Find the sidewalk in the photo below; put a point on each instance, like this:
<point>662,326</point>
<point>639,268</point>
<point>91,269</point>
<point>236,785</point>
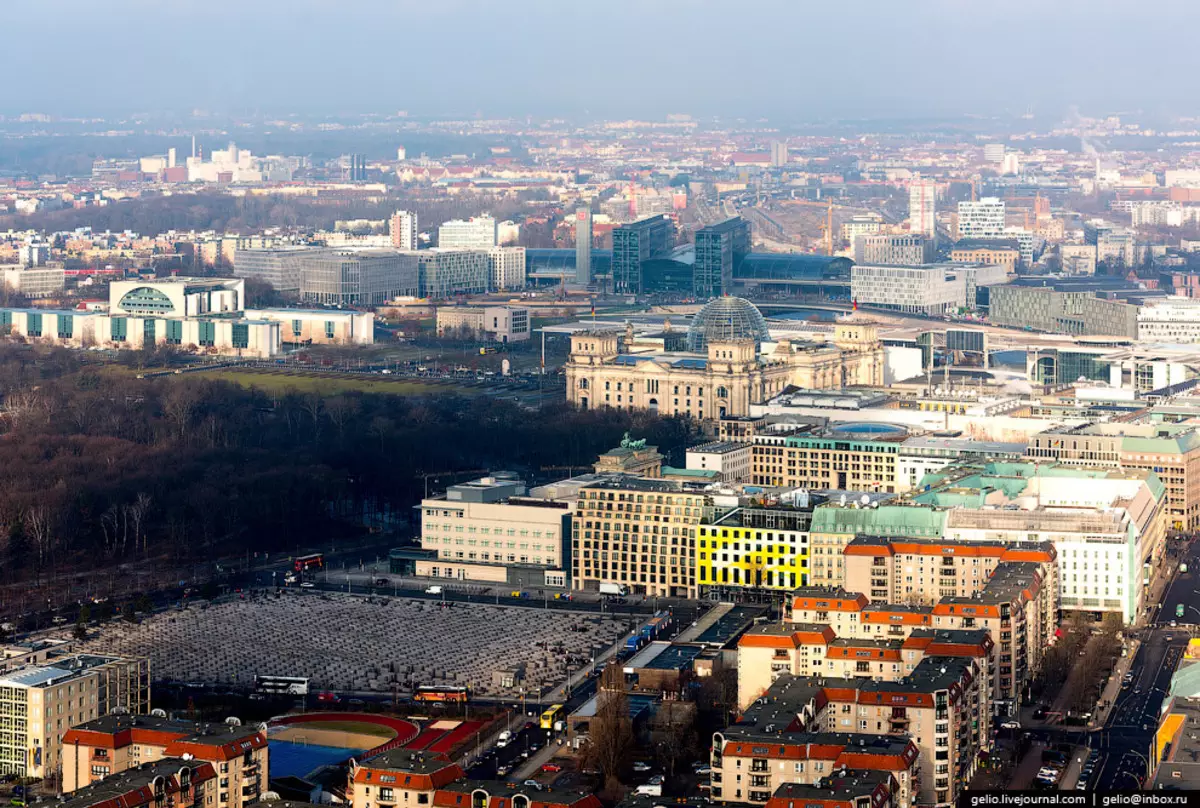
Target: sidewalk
<point>1112,688</point>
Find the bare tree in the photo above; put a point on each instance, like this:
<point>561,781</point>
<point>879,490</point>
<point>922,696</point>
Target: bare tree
<point>674,732</point>
<point>610,733</point>
<point>137,515</point>
<point>179,405</point>
<point>40,521</point>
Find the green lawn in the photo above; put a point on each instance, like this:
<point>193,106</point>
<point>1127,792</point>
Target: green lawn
<point>361,728</point>
<point>329,385</point>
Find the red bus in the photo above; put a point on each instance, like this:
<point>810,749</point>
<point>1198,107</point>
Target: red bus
<point>313,561</point>
<point>450,693</point>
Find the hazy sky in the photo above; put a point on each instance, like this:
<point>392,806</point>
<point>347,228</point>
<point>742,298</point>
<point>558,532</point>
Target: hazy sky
<point>785,59</point>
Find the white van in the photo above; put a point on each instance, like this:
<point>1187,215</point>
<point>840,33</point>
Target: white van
<point>433,590</point>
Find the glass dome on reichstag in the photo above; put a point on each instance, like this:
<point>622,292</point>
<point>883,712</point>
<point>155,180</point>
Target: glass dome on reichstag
<point>726,318</point>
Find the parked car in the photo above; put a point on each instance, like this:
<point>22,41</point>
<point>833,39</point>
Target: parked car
<point>534,784</point>
<point>640,766</point>
<point>551,767</point>
<point>1011,725</point>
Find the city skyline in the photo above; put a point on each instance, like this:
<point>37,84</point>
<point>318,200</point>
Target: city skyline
<point>782,61</point>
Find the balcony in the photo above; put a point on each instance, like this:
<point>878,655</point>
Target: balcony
<point>760,781</point>
<point>759,766</point>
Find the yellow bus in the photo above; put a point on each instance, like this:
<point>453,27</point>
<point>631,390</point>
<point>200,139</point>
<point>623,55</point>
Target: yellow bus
<point>551,715</point>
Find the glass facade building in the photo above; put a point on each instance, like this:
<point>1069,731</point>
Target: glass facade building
<point>636,243</point>
<point>719,249</point>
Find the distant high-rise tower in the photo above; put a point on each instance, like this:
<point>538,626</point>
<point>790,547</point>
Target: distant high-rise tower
<point>921,210</point>
<point>583,246</point>
<point>401,153</point>
<point>779,153</point>
<point>719,249</point>
<point>171,157</point>
<point>993,152</point>
<point>354,168</point>
<point>982,219</point>
<point>403,229</point>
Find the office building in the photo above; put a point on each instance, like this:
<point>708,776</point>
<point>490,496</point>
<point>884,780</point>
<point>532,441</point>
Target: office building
<point>754,547</point>
<point>779,153</point>
<point>35,282</point>
<point>636,243</point>
<point>489,530</point>
<point>402,227</point>
<point>171,782</point>
<point>349,277</point>
<point>400,777</point>
<point>981,219</point>
<point>931,289</point>
<point>1170,451</point>
<point>492,323</point>
<point>1172,319</point>
<point>583,246</point>
<point>900,250</point>
<point>506,269</point>
<point>993,152</point>
<point>278,266</point>
<point>476,233</point>
<point>638,532</point>
<point>39,703</point>
<point>110,745</point>
<point>354,167</point>
<point>719,248</point>
<point>991,253</point>
<point>1078,259</point>
<point>445,273</point>
<point>729,459</point>
<point>1063,310</point>
<point>922,210</point>
<point>319,326</point>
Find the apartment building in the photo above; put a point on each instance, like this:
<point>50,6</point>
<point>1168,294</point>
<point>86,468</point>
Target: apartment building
<point>754,548</point>
<point>780,740</point>
<point>1170,451</point>
<point>41,702</point>
<point>923,571</point>
<point>112,744</point>
<point>488,530</point>
<point>836,524</point>
<point>639,532</point>
<point>937,706</point>
<point>506,268</point>
<point>496,794</point>
<point>400,778</point>
<point>177,783</point>
<point>848,788</point>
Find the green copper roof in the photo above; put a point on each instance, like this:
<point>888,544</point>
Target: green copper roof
<point>886,520</point>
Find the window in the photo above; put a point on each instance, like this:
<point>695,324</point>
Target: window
<point>329,329</point>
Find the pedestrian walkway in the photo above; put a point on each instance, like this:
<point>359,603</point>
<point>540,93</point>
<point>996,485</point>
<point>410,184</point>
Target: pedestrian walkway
<point>712,616</point>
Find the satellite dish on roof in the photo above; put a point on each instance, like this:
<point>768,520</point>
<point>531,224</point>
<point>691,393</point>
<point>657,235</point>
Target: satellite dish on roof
<point>270,796</point>
<point>119,711</point>
<point>865,499</point>
<point>843,499</point>
<point>186,756</point>
<point>233,721</point>
<point>158,712</point>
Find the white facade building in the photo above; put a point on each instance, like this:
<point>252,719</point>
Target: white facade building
<point>1175,319</point>
<point>922,195</point>
<point>402,227</point>
<point>1106,529</point>
<point>476,233</point>
<point>982,219</point>
<point>506,268</point>
<point>927,289</point>
<point>730,459</point>
<point>35,281</point>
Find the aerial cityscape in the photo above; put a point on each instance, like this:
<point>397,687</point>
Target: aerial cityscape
<point>614,406</point>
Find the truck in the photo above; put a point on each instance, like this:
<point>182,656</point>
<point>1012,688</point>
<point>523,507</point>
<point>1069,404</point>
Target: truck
<point>613,589</point>
<point>635,642</point>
